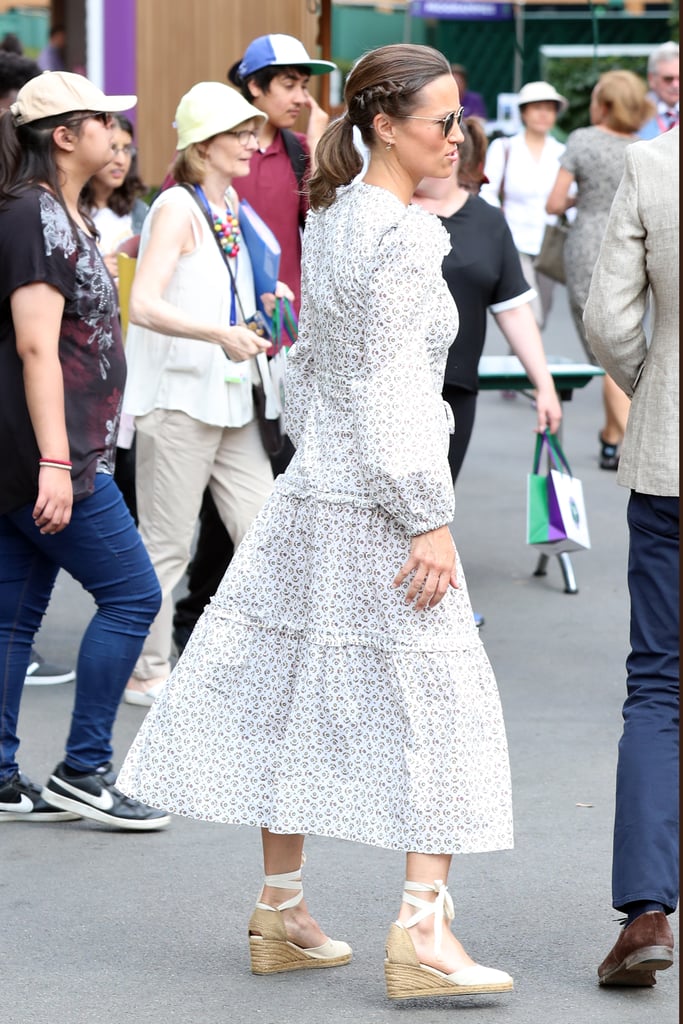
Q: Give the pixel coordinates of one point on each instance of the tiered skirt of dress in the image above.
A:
(312, 699)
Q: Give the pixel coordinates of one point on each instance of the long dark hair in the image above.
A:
(27, 157)
(386, 80)
(122, 199)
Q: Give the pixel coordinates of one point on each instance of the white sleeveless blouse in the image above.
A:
(195, 377)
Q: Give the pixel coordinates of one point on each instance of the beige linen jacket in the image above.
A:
(640, 249)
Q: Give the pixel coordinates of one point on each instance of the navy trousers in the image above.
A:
(645, 856)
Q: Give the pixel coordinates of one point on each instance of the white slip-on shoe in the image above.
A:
(144, 698)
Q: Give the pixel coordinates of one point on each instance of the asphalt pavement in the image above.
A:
(103, 926)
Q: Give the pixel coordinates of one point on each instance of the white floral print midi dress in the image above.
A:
(311, 698)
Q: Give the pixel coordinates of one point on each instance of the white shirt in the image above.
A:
(527, 184)
(113, 228)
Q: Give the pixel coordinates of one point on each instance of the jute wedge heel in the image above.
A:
(271, 951)
(407, 978)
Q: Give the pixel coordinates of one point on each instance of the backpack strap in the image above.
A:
(298, 157)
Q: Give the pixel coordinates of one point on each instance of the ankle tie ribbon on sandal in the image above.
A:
(440, 908)
(288, 880)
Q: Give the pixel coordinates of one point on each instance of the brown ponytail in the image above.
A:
(471, 155)
(337, 163)
(386, 80)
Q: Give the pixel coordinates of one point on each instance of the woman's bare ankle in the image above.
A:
(273, 896)
(302, 929)
(451, 956)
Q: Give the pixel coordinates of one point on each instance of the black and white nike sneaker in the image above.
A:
(21, 800)
(95, 796)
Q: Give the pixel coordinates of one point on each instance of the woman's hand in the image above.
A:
(432, 567)
(548, 409)
(282, 291)
(239, 343)
(52, 510)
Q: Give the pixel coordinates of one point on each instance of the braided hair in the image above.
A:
(384, 81)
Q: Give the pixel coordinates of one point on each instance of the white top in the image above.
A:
(194, 377)
(113, 228)
(528, 183)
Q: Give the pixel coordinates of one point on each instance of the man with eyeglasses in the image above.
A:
(663, 78)
(273, 75)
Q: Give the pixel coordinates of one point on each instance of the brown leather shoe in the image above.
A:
(645, 946)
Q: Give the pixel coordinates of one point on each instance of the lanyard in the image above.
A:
(233, 304)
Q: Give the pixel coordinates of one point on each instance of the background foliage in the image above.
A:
(575, 78)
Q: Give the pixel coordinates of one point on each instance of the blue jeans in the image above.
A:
(101, 548)
(645, 857)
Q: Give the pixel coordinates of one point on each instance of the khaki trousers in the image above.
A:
(177, 457)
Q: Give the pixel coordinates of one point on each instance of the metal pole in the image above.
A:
(596, 36)
(407, 23)
(518, 67)
(324, 40)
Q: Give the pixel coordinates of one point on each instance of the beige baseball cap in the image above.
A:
(208, 109)
(63, 92)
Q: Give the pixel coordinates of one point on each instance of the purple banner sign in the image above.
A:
(119, 49)
(461, 10)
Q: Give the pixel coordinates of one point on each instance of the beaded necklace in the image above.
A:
(225, 225)
(228, 230)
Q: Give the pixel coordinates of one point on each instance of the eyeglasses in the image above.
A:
(669, 79)
(244, 137)
(447, 122)
(127, 150)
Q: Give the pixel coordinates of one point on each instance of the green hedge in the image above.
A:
(575, 77)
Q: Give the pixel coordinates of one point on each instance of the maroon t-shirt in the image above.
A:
(39, 244)
(273, 191)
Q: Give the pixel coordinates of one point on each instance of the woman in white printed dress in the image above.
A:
(336, 684)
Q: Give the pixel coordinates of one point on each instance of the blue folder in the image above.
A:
(264, 251)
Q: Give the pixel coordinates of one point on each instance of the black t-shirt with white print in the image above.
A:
(39, 244)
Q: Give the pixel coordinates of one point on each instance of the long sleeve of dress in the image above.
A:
(399, 420)
(300, 385)
(363, 399)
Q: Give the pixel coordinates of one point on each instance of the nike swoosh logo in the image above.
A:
(25, 806)
(103, 802)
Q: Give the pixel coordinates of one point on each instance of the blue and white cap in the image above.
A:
(276, 51)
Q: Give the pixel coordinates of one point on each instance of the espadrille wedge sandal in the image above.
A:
(407, 978)
(270, 949)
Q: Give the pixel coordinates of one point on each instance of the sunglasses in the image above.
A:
(104, 118)
(447, 122)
